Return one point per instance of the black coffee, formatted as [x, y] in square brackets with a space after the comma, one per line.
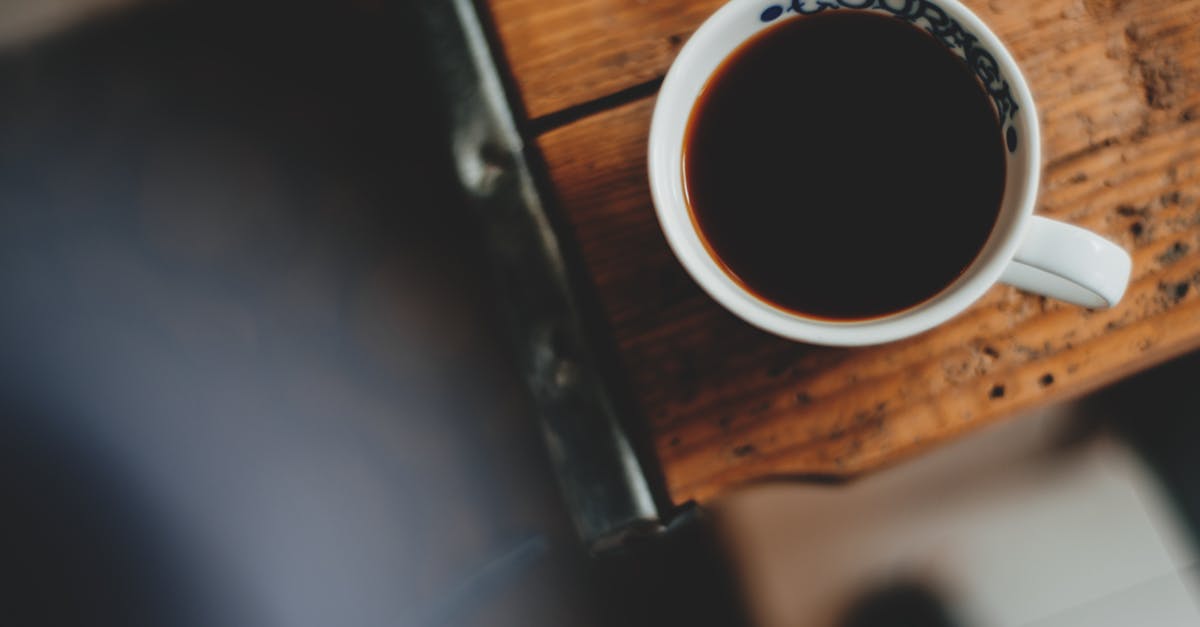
[844, 165]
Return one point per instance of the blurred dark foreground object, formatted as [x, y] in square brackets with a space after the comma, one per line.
[251, 366]
[1158, 412]
[904, 604]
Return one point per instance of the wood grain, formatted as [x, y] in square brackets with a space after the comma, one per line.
[1117, 87]
[568, 52]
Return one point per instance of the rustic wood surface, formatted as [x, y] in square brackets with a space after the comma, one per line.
[1117, 88]
[567, 52]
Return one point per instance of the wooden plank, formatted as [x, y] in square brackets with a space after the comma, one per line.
[567, 52]
[1117, 90]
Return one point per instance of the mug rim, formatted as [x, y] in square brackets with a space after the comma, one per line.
[671, 113]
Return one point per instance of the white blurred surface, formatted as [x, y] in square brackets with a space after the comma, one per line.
[1159, 602]
[1008, 526]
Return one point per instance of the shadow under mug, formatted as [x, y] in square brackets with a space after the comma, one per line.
[1030, 252]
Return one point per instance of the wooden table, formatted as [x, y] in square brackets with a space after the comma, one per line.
[1117, 86]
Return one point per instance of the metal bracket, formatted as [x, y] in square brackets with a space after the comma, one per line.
[603, 483]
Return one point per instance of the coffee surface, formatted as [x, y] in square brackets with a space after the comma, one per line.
[844, 165]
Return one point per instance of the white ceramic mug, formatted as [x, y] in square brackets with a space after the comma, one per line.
[1030, 252]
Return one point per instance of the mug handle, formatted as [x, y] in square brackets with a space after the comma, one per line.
[1066, 262]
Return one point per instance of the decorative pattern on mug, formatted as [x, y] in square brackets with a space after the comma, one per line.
[936, 22]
